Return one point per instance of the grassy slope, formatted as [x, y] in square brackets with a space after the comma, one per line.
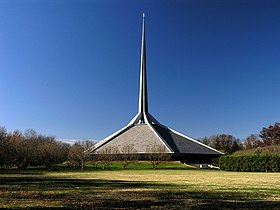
[169, 188]
[275, 149]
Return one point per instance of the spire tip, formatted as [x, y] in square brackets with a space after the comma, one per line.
[143, 14]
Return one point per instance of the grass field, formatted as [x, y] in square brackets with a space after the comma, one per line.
[171, 186]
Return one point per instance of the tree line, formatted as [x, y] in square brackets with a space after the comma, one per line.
[30, 149]
[267, 139]
[22, 149]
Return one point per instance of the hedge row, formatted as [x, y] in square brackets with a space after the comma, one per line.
[255, 163]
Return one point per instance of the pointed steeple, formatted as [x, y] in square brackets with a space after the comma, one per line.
[145, 135]
[143, 92]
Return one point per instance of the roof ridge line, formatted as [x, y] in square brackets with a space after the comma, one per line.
[160, 138]
[111, 137]
[196, 141]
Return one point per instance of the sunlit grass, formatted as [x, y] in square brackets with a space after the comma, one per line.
[169, 186]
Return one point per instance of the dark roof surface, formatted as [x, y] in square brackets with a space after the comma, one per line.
[181, 144]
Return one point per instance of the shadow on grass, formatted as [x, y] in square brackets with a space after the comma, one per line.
[44, 191]
[89, 168]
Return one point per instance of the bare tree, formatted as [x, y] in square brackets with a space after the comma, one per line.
[78, 153]
[271, 135]
[128, 155]
[157, 154]
[21, 149]
[5, 154]
[107, 155]
[252, 141]
[223, 142]
[212, 141]
[94, 159]
[52, 152]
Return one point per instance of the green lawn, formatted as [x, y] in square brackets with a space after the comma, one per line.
[171, 186]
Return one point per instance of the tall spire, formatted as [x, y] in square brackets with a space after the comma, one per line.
[144, 132]
[143, 93]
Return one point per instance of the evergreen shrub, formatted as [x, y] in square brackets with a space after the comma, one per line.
[253, 163]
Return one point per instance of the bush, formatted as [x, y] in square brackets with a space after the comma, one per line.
[255, 163]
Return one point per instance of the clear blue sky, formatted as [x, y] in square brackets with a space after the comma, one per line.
[70, 68]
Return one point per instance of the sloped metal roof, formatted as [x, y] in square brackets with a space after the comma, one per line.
[140, 138]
